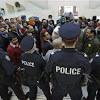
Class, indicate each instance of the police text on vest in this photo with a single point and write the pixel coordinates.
(68, 71)
(30, 64)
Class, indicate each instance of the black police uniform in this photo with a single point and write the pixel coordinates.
(94, 84)
(34, 64)
(67, 67)
(8, 78)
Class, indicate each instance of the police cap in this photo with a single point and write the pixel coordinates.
(23, 17)
(69, 31)
(27, 43)
(36, 17)
(12, 35)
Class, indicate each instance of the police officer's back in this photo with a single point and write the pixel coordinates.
(6, 67)
(94, 83)
(67, 65)
(5, 72)
(34, 64)
(8, 78)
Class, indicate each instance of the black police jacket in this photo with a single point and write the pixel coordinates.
(34, 66)
(67, 67)
(7, 68)
(95, 67)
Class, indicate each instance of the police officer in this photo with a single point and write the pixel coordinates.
(68, 65)
(34, 64)
(8, 78)
(94, 83)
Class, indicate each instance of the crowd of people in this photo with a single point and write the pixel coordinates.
(19, 39)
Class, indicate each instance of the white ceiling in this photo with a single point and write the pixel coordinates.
(39, 3)
(44, 7)
(44, 4)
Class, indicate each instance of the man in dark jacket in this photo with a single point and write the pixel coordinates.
(90, 43)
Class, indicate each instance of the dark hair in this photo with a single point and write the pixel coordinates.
(49, 16)
(69, 42)
(89, 20)
(11, 19)
(43, 20)
(17, 4)
(6, 19)
(94, 18)
(80, 18)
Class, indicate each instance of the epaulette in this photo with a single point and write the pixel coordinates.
(52, 53)
(7, 57)
(83, 54)
(97, 54)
